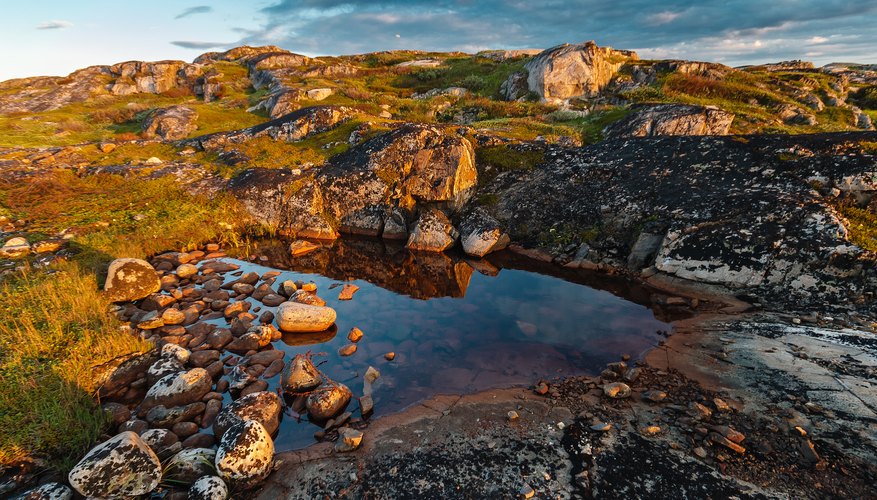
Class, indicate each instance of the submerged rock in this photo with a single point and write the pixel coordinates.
(246, 454)
(120, 467)
(130, 279)
(296, 317)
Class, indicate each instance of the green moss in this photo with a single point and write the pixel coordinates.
(494, 160)
(862, 226)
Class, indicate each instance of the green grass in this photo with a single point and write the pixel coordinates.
(862, 226)
(494, 160)
(53, 322)
(480, 75)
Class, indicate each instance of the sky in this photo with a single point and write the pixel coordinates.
(55, 37)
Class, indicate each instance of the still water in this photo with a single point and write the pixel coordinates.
(455, 325)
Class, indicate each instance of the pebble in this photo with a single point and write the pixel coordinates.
(601, 427)
(347, 350)
(512, 415)
(527, 491)
(390, 356)
(616, 390)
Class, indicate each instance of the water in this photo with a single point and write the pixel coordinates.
(455, 325)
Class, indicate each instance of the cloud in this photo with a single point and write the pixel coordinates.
(54, 25)
(200, 9)
(187, 44)
(730, 31)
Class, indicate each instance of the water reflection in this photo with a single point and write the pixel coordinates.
(501, 325)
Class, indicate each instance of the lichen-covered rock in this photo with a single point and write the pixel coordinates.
(170, 124)
(300, 375)
(433, 232)
(328, 400)
(264, 407)
(294, 126)
(178, 389)
(579, 70)
(48, 491)
(15, 248)
(399, 170)
(246, 454)
(114, 376)
(208, 488)
(481, 234)
(130, 279)
(188, 465)
(120, 467)
(163, 442)
(671, 119)
(296, 317)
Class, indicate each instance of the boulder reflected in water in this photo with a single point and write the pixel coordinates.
(421, 275)
(312, 338)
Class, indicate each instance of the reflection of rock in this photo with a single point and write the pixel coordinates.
(297, 339)
(419, 275)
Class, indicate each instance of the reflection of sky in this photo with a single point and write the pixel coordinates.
(510, 329)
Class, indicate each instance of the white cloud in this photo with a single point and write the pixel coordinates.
(817, 40)
(54, 25)
(663, 17)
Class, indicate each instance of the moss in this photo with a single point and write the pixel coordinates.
(494, 160)
(862, 226)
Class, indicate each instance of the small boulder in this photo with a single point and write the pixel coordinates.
(328, 400)
(348, 440)
(15, 248)
(120, 467)
(130, 279)
(48, 491)
(481, 234)
(208, 488)
(616, 390)
(263, 407)
(300, 375)
(178, 389)
(171, 124)
(188, 465)
(246, 454)
(300, 318)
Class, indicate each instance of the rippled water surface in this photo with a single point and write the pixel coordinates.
(456, 325)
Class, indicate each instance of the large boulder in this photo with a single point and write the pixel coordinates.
(359, 189)
(433, 232)
(170, 124)
(245, 455)
(130, 279)
(671, 119)
(264, 407)
(177, 389)
(579, 70)
(295, 317)
(123, 466)
(292, 127)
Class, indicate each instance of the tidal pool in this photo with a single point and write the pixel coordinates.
(456, 325)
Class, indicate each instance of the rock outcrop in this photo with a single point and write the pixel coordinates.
(295, 126)
(170, 124)
(738, 212)
(397, 172)
(579, 70)
(671, 119)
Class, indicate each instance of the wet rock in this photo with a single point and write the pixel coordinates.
(304, 297)
(355, 335)
(616, 390)
(295, 317)
(48, 491)
(211, 411)
(130, 279)
(272, 300)
(239, 378)
(328, 400)
(245, 343)
(432, 233)
(347, 291)
(208, 488)
(348, 440)
(671, 119)
(263, 407)
(178, 389)
(300, 375)
(347, 350)
(255, 387)
(390, 356)
(170, 124)
(204, 358)
(302, 247)
(190, 464)
(122, 466)
(246, 454)
(366, 405)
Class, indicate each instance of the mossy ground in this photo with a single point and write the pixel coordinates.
(54, 324)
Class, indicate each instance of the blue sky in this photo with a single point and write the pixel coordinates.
(42, 37)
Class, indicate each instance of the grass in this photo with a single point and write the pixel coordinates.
(862, 226)
(494, 160)
(53, 322)
(480, 75)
